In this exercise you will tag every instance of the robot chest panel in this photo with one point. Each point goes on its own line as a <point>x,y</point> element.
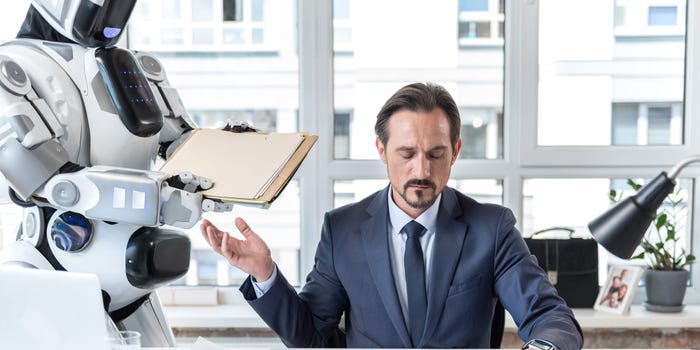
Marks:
<point>112,144</point>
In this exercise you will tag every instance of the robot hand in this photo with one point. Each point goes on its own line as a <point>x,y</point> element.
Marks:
<point>234,126</point>
<point>183,203</point>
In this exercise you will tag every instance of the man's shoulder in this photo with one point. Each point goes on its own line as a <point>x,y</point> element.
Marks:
<point>359,206</point>
<point>469,203</point>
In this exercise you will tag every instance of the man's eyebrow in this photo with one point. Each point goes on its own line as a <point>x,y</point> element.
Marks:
<point>409,148</point>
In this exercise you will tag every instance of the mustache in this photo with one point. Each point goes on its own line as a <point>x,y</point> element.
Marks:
<point>419,182</point>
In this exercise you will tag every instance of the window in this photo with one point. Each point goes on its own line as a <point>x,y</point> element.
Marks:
<point>557,108</point>
<point>342,26</point>
<point>474,5</point>
<point>647,124</point>
<point>216,87</point>
<point>584,68</point>
<point>663,15</point>
<point>211,26</point>
<point>601,109</point>
<point>232,10</point>
<point>649,18</point>
<point>341,135</point>
<point>480,22</point>
<point>402,53</point>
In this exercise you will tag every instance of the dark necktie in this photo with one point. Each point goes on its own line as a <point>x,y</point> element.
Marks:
<point>415,280</point>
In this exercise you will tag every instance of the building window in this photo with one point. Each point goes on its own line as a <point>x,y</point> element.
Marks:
<point>480,22</point>
<point>342,26</point>
<point>232,10</point>
<point>663,15</point>
<point>384,60</point>
<point>341,135</point>
<point>202,10</point>
<point>647,124</point>
<point>210,26</point>
<point>474,5</point>
<point>648,18</point>
<point>571,52</point>
<point>481,130</point>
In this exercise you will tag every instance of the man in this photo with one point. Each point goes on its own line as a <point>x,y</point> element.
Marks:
<point>417,264</point>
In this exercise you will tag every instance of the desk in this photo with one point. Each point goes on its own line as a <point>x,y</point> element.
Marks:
<point>639,329</point>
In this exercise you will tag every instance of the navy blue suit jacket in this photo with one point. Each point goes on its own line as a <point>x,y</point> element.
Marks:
<point>478,256</point>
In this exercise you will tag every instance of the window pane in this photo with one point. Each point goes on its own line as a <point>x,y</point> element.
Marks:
<point>386,53</point>
<point>256,10</point>
<point>233,10</point>
<point>591,71</point>
<point>473,5</point>
<point>341,9</point>
<point>215,87</point>
<point>202,10</point>
<point>171,9</point>
<point>544,207</point>
<point>474,29</point>
<point>663,15</point>
<point>202,36</point>
<point>172,36</point>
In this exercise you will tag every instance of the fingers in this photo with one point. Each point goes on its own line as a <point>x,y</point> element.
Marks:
<point>225,249</point>
<point>214,239</point>
<point>243,227</point>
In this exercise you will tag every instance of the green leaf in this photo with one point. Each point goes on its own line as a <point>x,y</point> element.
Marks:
<point>633,184</point>
<point>661,220</point>
<point>638,256</point>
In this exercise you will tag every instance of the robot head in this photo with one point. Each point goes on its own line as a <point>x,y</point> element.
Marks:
<point>93,23</point>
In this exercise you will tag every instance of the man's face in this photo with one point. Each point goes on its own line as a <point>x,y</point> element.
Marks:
<point>419,156</point>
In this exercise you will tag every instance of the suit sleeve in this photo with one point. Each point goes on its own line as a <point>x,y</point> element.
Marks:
<point>527,294</point>
<point>310,318</point>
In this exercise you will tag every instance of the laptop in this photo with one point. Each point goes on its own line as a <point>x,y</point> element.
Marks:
<point>43,309</point>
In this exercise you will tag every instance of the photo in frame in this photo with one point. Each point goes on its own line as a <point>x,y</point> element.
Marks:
<point>618,291</point>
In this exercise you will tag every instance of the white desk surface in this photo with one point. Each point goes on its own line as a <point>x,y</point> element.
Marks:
<point>242,316</point>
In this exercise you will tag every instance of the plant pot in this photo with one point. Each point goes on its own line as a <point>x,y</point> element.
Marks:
<point>665,289</point>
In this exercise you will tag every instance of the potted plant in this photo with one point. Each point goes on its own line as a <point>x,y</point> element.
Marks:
<point>666,277</point>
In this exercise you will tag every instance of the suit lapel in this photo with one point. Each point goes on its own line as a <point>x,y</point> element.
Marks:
<point>446,252</point>
<point>376,246</point>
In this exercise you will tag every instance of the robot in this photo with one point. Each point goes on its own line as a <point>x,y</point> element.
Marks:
<point>81,124</point>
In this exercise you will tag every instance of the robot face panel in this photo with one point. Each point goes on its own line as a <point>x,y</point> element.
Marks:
<point>130,91</point>
<point>93,23</point>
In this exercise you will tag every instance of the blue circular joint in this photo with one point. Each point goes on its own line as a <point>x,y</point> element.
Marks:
<point>71,232</point>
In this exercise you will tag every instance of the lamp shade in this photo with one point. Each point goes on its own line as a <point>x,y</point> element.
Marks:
<point>621,228</point>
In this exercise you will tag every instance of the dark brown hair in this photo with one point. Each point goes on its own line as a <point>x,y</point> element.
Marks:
<point>419,97</point>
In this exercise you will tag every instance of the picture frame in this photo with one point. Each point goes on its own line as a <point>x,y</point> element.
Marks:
<point>618,291</point>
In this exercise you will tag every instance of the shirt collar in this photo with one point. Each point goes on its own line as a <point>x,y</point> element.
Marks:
<point>398,218</point>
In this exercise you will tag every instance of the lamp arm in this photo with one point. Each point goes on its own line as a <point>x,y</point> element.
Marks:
<point>673,173</point>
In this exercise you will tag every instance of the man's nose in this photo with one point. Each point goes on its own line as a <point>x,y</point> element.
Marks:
<point>421,167</point>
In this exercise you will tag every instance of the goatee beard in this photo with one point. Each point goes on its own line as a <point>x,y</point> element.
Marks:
<point>421,202</point>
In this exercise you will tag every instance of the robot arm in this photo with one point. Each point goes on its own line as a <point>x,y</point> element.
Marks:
<point>29,151</point>
<point>35,165</point>
<point>177,124</point>
<point>137,197</point>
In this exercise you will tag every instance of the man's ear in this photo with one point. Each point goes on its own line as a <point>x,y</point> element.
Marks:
<point>381,150</point>
<point>458,147</point>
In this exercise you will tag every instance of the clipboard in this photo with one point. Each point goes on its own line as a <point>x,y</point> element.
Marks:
<point>249,168</point>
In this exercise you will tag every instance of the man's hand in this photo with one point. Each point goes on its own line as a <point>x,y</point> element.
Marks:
<point>251,254</point>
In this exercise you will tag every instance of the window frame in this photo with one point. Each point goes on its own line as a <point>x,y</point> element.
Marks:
<point>522,157</point>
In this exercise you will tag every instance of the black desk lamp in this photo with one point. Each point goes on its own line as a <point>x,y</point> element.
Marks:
<point>621,228</point>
